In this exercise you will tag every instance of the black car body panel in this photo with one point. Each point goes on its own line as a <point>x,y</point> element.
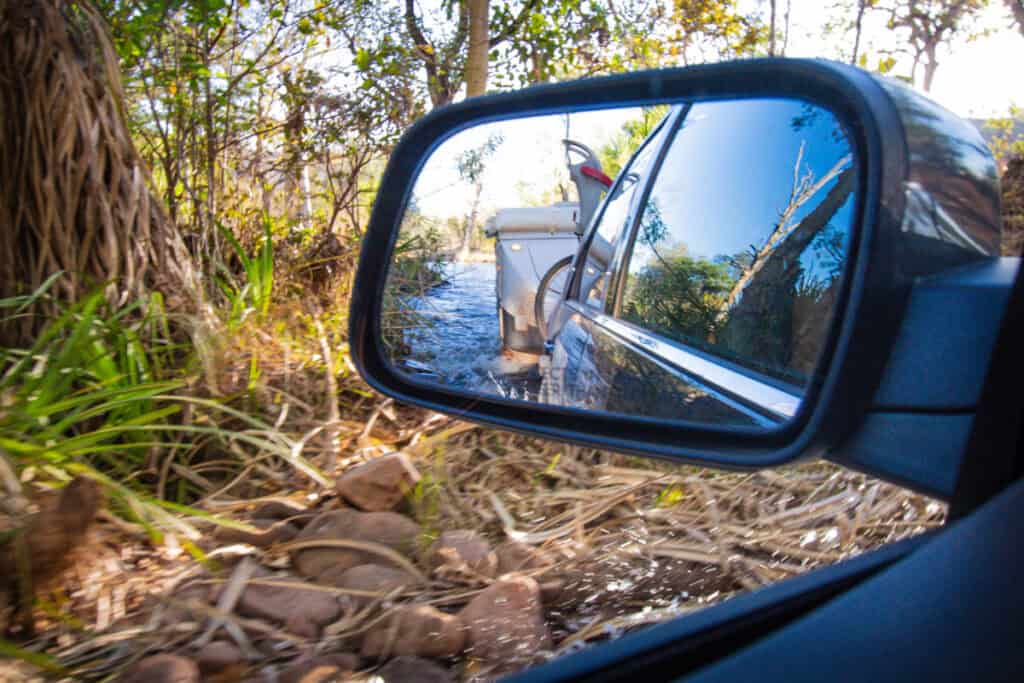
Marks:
<point>871,303</point>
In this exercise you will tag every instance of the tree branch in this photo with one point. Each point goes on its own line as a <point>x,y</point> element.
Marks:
<point>517,23</point>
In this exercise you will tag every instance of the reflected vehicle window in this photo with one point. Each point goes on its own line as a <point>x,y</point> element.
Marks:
<point>742,241</point>
<point>615,216</point>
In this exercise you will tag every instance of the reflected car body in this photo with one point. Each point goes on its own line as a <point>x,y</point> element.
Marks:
<point>756,366</point>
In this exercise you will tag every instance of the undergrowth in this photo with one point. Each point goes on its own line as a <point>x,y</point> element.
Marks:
<point>115,393</point>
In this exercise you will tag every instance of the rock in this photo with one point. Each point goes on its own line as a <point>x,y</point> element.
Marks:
<point>375,578</point>
<point>273,532</point>
<point>217,656</point>
<point>162,669</point>
<point>302,608</point>
<point>409,669</point>
<point>178,608</point>
<point>388,529</point>
<point>417,630</point>
<point>320,669</point>
<point>505,622</point>
<point>514,556</point>
<point>551,589</point>
<point>463,548</point>
<point>51,534</point>
<point>379,484</point>
<point>279,509</point>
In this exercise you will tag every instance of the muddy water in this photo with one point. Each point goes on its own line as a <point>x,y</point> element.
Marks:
<point>459,343</point>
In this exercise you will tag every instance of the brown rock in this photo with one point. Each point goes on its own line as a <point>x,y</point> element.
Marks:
<point>409,669</point>
<point>551,589</point>
<point>417,630</point>
<point>514,556</point>
<point>272,532</point>
<point>505,622</point>
<point>217,656</point>
<point>179,606</point>
<point>463,548</point>
<point>387,529</point>
<point>373,578</point>
<point>162,669</point>
<point>320,669</point>
<point>48,536</point>
<point>279,509</point>
<point>379,484</point>
<point>301,607</point>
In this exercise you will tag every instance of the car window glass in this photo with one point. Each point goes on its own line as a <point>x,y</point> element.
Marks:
<point>742,241</point>
<point>615,217</point>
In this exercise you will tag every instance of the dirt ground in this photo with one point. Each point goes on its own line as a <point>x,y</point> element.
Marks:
<point>604,544</point>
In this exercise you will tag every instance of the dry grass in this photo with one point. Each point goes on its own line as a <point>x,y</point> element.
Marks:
<point>633,541</point>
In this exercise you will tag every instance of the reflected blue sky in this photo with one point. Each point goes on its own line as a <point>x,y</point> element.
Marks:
<point>729,174</point>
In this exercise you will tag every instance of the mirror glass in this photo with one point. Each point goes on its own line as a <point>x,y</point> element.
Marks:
<point>677,261</point>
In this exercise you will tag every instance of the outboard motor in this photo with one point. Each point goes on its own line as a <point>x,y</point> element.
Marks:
<point>532,241</point>
<point>591,182</point>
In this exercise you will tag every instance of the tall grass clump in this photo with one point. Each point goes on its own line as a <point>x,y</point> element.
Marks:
<point>104,391</point>
<point>251,291</point>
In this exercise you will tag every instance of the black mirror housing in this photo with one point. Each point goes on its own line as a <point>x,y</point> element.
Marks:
<point>928,202</point>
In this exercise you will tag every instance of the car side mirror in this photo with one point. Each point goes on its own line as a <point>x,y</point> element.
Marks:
<point>735,296</point>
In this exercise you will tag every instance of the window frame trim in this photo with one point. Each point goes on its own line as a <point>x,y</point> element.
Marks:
<point>671,120</point>
<point>624,251</point>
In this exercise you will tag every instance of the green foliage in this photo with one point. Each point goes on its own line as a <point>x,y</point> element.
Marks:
<point>679,297</point>
<point>615,154</point>
<point>88,395</point>
<point>42,661</point>
<point>669,497</point>
<point>418,264</point>
<point>100,393</point>
<point>1007,138</point>
<point>253,293</point>
<point>425,502</point>
<point>473,162</point>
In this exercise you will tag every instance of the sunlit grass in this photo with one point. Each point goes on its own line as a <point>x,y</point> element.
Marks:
<point>103,392</point>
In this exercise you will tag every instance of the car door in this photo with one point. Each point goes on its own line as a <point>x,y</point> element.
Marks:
<point>571,378</point>
<point>920,386</point>
<point>694,323</point>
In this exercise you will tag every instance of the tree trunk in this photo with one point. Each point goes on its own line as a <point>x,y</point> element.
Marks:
<point>762,324</point>
<point>1017,9</point>
<point>771,34</point>
<point>479,48</point>
<point>930,67</point>
<point>858,28</point>
<point>469,229</point>
<point>783,238</point>
<point>785,28</point>
<point>75,194</point>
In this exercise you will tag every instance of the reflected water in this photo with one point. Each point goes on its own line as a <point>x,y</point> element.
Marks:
<point>457,341</point>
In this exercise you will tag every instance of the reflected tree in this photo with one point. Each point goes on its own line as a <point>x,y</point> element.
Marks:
<point>782,315</point>
<point>805,188</point>
<point>471,166</point>
<point>675,294</point>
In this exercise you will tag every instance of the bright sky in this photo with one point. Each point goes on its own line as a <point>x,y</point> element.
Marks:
<point>980,78</point>
<point>527,164</point>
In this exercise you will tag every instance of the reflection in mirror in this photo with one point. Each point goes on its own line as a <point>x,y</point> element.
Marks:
<point>679,262</point>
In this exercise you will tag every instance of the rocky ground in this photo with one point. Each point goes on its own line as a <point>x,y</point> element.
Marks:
<point>467,555</point>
